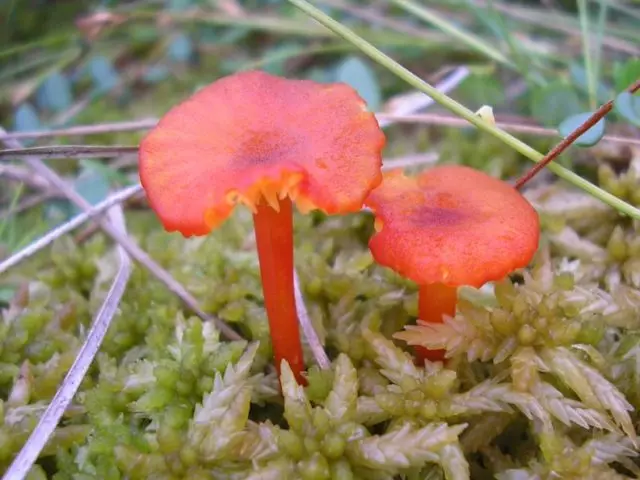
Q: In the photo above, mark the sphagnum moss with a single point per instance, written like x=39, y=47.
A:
x=542, y=380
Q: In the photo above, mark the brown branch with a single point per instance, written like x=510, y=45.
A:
x=82, y=130
x=571, y=138
x=68, y=151
x=22, y=175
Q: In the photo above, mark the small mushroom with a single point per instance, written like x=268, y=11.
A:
x=263, y=141
x=448, y=227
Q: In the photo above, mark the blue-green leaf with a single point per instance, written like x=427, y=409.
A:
x=554, y=102
x=55, y=93
x=112, y=175
x=180, y=48
x=57, y=211
x=179, y=5
x=143, y=34
x=628, y=106
x=92, y=185
x=156, y=73
x=104, y=75
x=359, y=75
x=580, y=78
x=588, y=138
x=26, y=118
x=7, y=294
x=320, y=75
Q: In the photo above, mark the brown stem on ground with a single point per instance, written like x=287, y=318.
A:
x=572, y=137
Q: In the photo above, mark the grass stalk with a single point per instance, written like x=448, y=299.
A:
x=460, y=110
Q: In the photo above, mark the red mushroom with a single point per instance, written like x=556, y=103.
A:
x=265, y=142
x=450, y=226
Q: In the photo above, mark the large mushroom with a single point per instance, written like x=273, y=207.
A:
x=263, y=141
x=448, y=227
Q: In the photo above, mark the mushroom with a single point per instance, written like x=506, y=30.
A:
x=263, y=141
x=450, y=226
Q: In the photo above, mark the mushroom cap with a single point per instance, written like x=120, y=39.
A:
x=252, y=136
x=452, y=225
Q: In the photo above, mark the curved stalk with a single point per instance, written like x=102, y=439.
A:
x=434, y=301
x=274, y=239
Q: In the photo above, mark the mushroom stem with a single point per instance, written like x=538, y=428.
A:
x=434, y=301
x=274, y=239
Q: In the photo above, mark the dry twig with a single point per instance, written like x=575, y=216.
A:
x=81, y=130
x=75, y=222
x=131, y=248
x=67, y=151
x=23, y=462
x=572, y=137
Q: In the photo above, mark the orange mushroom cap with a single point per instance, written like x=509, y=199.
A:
x=452, y=225
x=253, y=135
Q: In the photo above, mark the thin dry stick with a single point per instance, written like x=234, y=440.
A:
x=82, y=130
x=72, y=224
x=444, y=120
x=22, y=175
x=67, y=151
x=454, y=79
x=132, y=249
x=126, y=193
x=23, y=462
x=411, y=161
x=572, y=137
x=309, y=332
x=436, y=119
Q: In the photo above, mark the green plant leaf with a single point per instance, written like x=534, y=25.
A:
x=55, y=93
x=7, y=294
x=554, y=102
x=460, y=110
x=180, y=49
x=26, y=118
x=588, y=138
x=156, y=73
x=179, y=5
x=57, y=211
x=581, y=80
x=104, y=75
x=92, y=184
x=354, y=71
x=626, y=73
x=481, y=89
x=628, y=106
x=111, y=174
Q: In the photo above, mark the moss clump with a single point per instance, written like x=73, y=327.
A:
x=541, y=364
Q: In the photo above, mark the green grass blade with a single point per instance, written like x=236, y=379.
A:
x=601, y=21
x=440, y=23
x=586, y=52
x=461, y=110
x=8, y=224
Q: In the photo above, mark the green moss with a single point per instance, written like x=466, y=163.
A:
x=168, y=398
